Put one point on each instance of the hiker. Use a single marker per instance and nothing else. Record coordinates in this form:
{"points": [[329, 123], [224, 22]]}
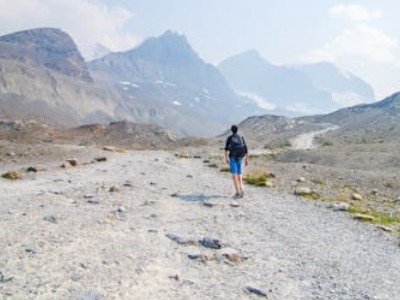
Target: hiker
{"points": [[235, 151]]}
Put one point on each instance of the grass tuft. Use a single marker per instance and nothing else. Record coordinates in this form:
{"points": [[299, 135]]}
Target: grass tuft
{"points": [[257, 177]]}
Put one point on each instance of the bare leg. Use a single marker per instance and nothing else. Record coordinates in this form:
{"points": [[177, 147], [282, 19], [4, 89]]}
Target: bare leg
{"points": [[240, 183], [236, 182]]}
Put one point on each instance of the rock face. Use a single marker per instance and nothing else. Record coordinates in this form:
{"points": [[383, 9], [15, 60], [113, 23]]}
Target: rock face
{"points": [[45, 47], [164, 81], [44, 77]]}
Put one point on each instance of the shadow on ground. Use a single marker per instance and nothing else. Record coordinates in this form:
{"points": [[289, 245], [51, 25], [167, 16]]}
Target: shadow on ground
{"points": [[198, 197]]}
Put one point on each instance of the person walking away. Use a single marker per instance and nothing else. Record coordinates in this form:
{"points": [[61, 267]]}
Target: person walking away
{"points": [[235, 152]]}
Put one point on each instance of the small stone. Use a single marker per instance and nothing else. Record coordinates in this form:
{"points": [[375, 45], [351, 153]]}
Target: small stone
{"points": [[121, 209], [231, 254], [51, 219], [114, 149], [340, 206], [35, 169], [301, 179], [385, 228], [374, 192], [100, 159], [179, 240], [73, 162], [30, 249], [76, 276], [88, 196], [115, 189], [256, 291], [66, 165], [208, 204], [269, 184], [364, 217], [356, 197], [175, 276], [302, 191], [4, 279], [210, 243], [235, 204]]}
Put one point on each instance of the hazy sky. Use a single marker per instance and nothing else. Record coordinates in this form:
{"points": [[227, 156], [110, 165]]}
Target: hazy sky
{"points": [[358, 36]]}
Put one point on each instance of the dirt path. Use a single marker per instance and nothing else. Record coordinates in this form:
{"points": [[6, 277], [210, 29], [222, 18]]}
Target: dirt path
{"points": [[64, 235], [306, 140]]}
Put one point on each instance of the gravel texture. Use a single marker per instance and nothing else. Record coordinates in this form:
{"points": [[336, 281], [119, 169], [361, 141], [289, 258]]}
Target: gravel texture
{"points": [[103, 231]]}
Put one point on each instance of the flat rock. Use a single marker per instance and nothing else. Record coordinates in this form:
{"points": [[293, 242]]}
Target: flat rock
{"points": [[364, 217]]}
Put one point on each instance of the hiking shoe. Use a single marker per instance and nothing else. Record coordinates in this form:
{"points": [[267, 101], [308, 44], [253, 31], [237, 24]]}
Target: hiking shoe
{"points": [[237, 196], [241, 194]]}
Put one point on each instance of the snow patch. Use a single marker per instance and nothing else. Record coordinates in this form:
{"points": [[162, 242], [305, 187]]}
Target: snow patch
{"points": [[260, 101], [128, 83], [165, 83], [177, 103]]}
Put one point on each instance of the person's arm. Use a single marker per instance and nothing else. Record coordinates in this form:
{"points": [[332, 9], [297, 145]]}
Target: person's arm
{"points": [[246, 156], [226, 152], [226, 156]]}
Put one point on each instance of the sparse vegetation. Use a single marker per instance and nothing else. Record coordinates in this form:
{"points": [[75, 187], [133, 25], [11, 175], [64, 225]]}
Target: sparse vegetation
{"points": [[381, 218], [323, 141], [12, 175], [257, 177]]}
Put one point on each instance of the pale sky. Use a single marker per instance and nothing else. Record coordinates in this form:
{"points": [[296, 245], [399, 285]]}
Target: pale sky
{"points": [[358, 36]]}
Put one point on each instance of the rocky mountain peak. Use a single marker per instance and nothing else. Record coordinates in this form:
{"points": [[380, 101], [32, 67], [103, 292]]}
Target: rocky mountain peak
{"points": [[170, 47], [46, 47]]}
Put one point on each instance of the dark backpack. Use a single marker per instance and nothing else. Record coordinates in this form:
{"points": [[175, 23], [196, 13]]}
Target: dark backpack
{"points": [[237, 148]]}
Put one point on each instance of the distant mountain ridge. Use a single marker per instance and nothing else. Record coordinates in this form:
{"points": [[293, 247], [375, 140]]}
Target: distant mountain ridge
{"points": [[364, 123], [163, 81], [176, 87], [294, 90]]}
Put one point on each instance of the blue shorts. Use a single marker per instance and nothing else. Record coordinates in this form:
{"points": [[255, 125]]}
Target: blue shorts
{"points": [[235, 165]]}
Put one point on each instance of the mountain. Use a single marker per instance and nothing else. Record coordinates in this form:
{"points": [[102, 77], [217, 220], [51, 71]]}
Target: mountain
{"points": [[45, 47], [164, 81], [292, 90], [95, 51], [43, 76], [346, 89], [378, 121], [364, 123]]}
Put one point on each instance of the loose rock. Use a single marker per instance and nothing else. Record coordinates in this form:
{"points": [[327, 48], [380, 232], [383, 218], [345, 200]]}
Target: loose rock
{"points": [[256, 291], [364, 217], [210, 243], [357, 197]]}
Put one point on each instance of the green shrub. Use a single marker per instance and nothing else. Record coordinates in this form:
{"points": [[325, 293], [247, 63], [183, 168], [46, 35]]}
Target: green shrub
{"points": [[257, 177]]}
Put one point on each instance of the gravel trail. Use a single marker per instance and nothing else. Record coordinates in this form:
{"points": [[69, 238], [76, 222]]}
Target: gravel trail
{"points": [[64, 235], [306, 140]]}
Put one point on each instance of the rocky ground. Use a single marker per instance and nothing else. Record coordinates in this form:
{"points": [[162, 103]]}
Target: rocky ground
{"points": [[163, 225]]}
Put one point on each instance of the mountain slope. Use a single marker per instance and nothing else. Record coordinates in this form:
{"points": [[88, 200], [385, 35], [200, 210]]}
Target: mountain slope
{"points": [[43, 76], [170, 85], [295, 90], [345, 88], [367, 122]]}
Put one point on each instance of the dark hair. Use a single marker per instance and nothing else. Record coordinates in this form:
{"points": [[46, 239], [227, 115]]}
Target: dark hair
{"points": [[234, 128]]}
